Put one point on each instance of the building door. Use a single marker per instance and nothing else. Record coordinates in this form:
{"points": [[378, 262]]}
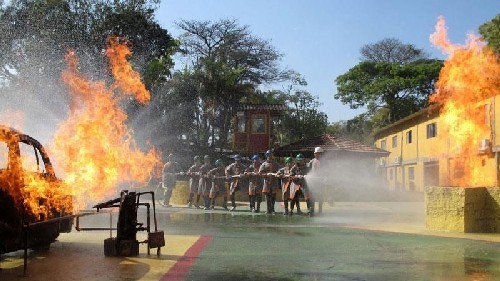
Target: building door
{"points": [[431, 173]]}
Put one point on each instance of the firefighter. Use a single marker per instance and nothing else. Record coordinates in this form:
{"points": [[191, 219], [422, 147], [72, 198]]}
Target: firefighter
{"points": [[255, 184], [298, 187], [234, 173], [270, 187], [205, 184], [194, 181], [218, 184], [169, 178], [286, 180], [319, 189]]}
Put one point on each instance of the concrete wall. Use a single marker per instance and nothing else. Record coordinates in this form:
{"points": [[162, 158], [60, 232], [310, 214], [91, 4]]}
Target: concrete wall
{"points": [[463, 209]]}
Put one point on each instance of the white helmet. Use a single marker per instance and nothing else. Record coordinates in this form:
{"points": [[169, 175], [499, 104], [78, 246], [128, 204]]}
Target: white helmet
{"points": [[319, 150]]}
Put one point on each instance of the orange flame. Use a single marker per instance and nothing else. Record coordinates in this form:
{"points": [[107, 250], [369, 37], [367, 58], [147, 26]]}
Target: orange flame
{"points": [[467, 83], [30, 183], [127, 80], [94, 147]]}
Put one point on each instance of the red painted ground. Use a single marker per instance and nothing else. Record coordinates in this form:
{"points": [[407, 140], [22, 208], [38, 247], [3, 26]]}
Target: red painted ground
{"points": [[182, 266]]}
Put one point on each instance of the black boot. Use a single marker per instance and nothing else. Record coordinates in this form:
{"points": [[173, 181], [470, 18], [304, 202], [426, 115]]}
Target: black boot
{"points": [[269, 202], [197, 204], [190, 201], [233, 202], [285, 202], [310, 207], [273, 198], [252, 203], [297, 202]]}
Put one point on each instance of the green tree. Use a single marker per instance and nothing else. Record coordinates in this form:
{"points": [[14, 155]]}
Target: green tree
{"points": [[358, 128], [391, 50], [35, 35], [228, 63], [491, 33], [400, 81], [304, 119]]}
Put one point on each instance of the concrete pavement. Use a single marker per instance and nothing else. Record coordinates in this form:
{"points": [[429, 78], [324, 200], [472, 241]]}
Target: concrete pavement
{"points": [[350, 241]]}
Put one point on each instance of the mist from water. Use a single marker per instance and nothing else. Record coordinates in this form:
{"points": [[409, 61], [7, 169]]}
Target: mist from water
{"points": [[354, 177]]}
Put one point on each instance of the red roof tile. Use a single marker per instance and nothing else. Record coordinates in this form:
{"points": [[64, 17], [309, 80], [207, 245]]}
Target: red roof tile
{"points": [[330, 143]]}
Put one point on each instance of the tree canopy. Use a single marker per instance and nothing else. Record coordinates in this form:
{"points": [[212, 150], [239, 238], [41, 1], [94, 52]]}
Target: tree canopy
{"points": [[491, 33], [393, 76], [391, 50], [226, 65], [35, 35]]}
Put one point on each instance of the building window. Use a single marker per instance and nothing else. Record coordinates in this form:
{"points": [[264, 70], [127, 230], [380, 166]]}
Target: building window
{"points": [[259, 124], [409, 137], [411, 173], [383, 144], [394, 141], [431, 130], [241, 122]]}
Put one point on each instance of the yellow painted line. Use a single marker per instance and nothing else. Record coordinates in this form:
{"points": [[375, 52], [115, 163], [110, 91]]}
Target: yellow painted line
{"points": [[175, 247], [89, 263]]}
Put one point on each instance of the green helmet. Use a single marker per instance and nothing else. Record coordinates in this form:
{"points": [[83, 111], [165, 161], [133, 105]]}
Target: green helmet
{"points": [[196, 158], [299, 157], [218, 162], [206, 157], [288, 160]]}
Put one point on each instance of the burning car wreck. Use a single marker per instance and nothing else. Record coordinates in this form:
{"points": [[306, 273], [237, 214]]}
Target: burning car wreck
{"points": [[30, 194]]}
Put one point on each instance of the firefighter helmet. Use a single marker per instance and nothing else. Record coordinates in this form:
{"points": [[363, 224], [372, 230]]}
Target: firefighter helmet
{"points": [[269, 152], [196, 158], [288, 160], [299, 157], [218, 162], [255, 157], [319, 149], [237, 157], [206, 157]]}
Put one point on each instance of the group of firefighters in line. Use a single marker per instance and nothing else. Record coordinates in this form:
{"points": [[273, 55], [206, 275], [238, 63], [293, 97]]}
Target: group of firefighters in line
{"points": [[257, 180]]}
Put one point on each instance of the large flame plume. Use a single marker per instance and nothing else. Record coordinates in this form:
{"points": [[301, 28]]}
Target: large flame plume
{"points": [[93, 146], [467, 85]]}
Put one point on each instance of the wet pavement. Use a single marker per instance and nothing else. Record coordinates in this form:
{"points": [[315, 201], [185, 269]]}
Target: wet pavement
{"points": [[350, 241]]}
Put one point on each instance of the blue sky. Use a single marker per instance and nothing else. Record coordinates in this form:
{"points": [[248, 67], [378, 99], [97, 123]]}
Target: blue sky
{"points": [[321, 39]]}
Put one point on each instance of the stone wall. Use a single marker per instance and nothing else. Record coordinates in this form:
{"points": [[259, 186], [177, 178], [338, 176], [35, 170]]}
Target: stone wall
{"points": [[463, 209]]}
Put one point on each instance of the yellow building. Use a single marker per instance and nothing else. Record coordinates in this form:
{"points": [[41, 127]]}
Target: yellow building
{"points": [[422, 153]]}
